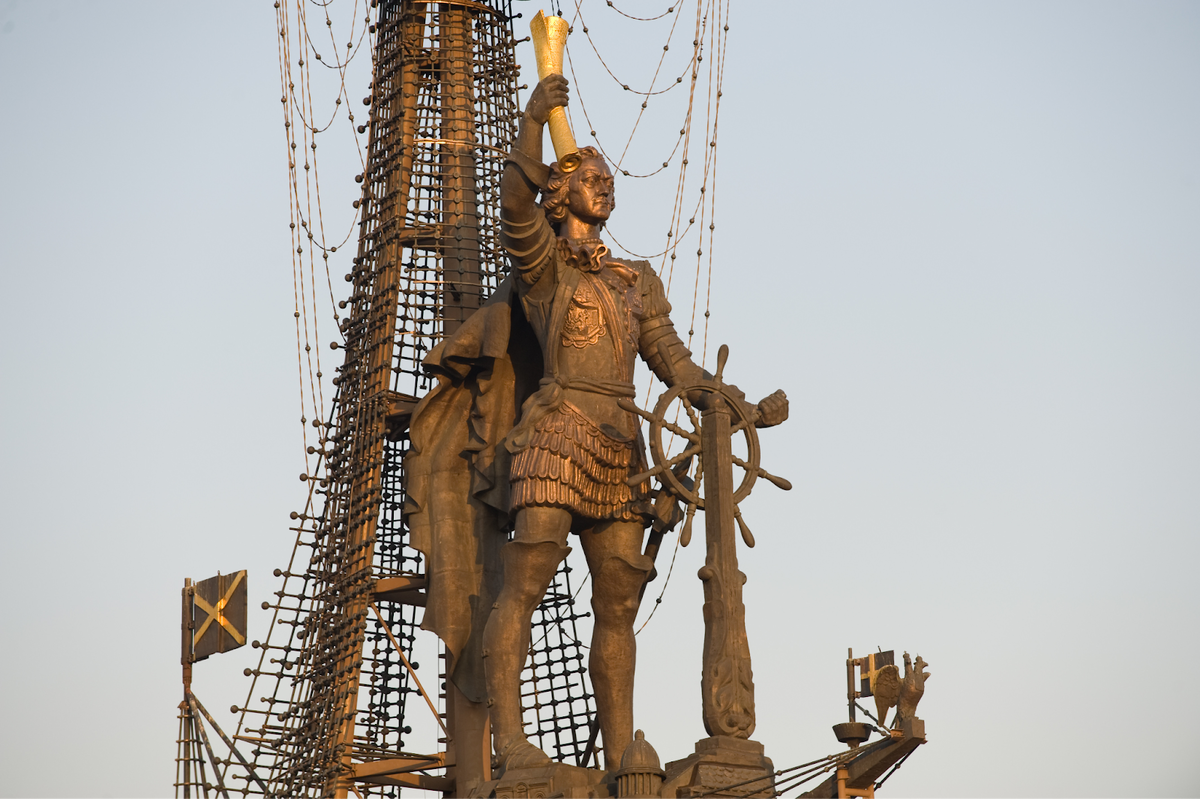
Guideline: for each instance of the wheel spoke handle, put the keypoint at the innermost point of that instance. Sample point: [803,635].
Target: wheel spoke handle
[638,479]
[685,535]
[786,485]
[747,536]
[778,481]
[629,405]
[722,357]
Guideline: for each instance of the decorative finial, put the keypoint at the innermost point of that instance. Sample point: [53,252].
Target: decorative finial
[641,773]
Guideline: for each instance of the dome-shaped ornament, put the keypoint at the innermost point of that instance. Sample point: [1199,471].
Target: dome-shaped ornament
[641,773]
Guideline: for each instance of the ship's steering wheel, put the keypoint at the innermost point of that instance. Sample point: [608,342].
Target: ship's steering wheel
[692,397]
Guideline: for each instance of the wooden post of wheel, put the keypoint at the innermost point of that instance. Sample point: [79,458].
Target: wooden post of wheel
[726,683]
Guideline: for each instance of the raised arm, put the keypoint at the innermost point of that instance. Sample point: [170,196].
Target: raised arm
[524,172]
[524,231]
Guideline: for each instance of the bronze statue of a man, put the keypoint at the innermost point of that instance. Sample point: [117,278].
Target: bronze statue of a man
[574,447]
[558,339]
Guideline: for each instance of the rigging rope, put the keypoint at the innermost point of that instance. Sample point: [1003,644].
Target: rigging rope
[640,19]
[297,50]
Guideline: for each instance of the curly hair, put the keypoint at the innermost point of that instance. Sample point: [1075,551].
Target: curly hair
[554,196]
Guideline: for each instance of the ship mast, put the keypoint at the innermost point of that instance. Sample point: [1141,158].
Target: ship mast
[442,113]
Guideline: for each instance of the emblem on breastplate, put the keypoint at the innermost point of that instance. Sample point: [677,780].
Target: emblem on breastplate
[584,324]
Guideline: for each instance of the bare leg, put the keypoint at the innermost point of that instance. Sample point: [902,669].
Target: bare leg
[530,561]
[619,569]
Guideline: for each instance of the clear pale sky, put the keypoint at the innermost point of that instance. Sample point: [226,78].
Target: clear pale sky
[963,237]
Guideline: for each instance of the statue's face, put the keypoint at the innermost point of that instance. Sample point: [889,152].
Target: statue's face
[590,191]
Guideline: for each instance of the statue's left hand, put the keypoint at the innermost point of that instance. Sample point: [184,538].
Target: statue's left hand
[772,410]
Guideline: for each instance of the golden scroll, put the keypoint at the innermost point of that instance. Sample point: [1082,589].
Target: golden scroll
[549,35]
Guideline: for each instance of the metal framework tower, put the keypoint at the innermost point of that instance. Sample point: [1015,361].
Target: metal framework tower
[327,705]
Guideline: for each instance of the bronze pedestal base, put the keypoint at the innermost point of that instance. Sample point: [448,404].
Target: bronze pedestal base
[721,762]
[556,779]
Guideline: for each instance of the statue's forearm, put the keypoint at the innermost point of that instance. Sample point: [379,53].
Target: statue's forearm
[671,361]
[518,189]
[666,354]
[529,138]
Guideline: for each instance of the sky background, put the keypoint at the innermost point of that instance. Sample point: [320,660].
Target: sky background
[963,237]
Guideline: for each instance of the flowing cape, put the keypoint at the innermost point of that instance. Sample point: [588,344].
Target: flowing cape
[457,500]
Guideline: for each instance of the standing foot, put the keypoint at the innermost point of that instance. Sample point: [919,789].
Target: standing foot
[520,753]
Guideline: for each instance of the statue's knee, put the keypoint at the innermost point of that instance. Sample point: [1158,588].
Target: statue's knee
[617,587]
[529,567]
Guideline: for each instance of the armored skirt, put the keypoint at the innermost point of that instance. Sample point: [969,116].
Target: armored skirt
[571,463]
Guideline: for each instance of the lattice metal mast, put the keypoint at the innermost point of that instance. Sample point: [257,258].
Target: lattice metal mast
[442,115]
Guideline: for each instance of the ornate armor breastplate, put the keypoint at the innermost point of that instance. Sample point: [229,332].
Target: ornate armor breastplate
[584,323]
